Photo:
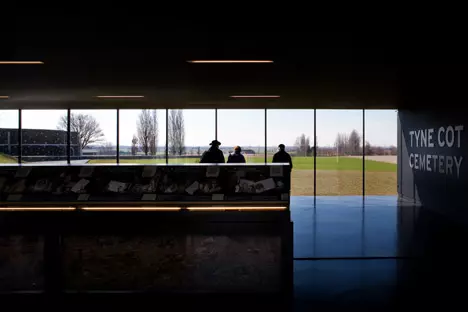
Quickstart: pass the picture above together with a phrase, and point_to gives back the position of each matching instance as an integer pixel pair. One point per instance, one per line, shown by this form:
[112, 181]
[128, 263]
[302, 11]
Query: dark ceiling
[310, 69]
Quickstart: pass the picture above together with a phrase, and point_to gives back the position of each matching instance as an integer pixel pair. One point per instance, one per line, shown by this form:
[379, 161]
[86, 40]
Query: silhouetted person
[282, 156]
[236, 157]
[213, 155]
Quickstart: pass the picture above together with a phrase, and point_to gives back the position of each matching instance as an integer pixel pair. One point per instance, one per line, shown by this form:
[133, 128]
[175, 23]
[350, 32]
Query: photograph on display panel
[133, 183]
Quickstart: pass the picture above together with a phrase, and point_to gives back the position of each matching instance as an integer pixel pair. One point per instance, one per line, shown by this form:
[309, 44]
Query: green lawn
[7, 160]
[343, 163]
[301, 163]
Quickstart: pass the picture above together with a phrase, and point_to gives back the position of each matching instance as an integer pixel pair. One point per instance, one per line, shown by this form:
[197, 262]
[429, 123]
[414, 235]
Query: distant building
[39, 143]
[248, 152]
[244, 151]
[90, 152]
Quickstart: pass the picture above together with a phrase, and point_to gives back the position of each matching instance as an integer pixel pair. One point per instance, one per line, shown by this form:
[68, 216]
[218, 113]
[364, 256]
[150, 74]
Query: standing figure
[236, 157]
[283, 157]
[213, 155]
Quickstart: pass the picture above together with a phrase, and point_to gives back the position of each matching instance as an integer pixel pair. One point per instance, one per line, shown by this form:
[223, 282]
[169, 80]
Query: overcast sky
[235, 127]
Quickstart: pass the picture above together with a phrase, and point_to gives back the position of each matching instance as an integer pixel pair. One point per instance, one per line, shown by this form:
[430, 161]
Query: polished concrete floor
[349, 253]
[374, 254]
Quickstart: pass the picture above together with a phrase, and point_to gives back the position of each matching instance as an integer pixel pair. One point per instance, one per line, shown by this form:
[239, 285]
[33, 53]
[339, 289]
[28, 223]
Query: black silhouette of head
[215, 143]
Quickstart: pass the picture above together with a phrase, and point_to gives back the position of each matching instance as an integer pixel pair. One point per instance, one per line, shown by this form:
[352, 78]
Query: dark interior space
[319, 253]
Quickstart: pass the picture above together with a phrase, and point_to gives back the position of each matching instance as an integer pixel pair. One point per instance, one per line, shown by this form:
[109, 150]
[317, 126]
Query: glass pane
[339, 152]
[244, 128]
[8, 136]
[44, 136]
[295, 129]
[381, 152]
[142, 136]
[186, 145]
[97, 133]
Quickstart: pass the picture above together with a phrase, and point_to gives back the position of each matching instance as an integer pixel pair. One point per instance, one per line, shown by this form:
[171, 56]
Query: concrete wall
[432, 160]
[45, 144]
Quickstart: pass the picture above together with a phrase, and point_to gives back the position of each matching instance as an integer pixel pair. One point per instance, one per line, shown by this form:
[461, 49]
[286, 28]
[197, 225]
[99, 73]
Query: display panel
[174, 263]
[127, 183]
[21, 263]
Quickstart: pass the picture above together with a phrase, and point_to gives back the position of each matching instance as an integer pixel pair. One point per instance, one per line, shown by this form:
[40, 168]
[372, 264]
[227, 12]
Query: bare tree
[155, 133]
[86, 126]
[348, 144]
[369, 150]
[176, 132]
[341, 144]
[303, 146]
[134, 145]
[147, 128]
[354, 143]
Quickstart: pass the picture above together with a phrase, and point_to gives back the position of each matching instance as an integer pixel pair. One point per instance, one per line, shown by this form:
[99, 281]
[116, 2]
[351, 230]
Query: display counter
[158, 186]
[168, 230]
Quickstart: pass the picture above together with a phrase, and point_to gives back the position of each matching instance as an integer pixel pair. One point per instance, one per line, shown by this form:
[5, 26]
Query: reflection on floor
[349, 254]
[374, 254]
[344, 226]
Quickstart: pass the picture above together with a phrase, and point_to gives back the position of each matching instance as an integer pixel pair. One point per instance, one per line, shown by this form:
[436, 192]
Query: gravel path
[388, 159]
[60, 162]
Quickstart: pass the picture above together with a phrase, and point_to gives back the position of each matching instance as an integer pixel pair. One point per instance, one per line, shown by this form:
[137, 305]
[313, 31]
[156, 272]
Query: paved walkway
[60, 162]
[384, 158]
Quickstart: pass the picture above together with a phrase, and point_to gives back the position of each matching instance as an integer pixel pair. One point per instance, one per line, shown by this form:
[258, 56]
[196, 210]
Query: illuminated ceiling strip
[37, 208]
[235, 208]
[230, 61]
[255, 96]
[4, 97]
[21, 63]
[131, 208]
[120, 96]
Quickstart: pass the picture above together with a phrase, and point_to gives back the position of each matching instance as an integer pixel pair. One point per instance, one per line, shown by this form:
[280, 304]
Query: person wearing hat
[236, 157]
[213, 155]
[283, 157]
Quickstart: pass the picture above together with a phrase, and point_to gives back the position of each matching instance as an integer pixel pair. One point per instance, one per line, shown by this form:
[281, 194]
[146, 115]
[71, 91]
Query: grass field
[299, 163]
[334, 177]
[7, 160]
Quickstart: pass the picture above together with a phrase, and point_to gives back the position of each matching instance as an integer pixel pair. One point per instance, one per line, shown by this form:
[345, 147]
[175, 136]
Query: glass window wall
[9, 124]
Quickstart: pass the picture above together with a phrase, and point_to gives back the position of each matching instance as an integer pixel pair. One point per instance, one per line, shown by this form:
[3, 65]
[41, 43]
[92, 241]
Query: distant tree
[393, 150]
[348, 144]
[303, 145]
[176, 132]
[199, 151]
[341, 144]
[369, 150]
[134, 145]
[86, 126]
[354, 143]
[155, 134]
[147, 128]
[379, 150]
